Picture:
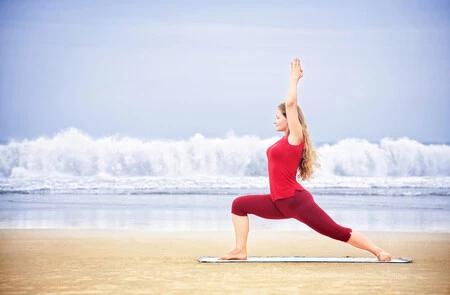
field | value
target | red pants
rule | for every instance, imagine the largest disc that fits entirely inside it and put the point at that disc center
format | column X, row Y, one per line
column 301, row 206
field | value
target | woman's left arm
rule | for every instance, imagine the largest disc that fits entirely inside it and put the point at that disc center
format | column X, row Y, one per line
column 295, row 128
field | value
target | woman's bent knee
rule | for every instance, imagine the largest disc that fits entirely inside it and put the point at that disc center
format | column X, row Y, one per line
column 343, row 234
column 237, row 207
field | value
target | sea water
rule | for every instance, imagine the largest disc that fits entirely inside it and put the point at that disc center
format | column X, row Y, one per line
column 75, row 181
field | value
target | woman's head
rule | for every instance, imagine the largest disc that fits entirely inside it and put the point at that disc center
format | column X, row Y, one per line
column 309, row 156
column 281, row 122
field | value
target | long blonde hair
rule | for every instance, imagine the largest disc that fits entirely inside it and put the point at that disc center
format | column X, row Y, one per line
column 309, row 160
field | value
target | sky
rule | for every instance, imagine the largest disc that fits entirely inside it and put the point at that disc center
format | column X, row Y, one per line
column 171, row 69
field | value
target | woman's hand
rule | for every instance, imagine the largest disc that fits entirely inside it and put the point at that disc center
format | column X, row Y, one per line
column 296, row 69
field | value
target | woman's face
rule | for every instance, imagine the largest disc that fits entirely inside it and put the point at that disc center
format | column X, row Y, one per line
column 280, row 121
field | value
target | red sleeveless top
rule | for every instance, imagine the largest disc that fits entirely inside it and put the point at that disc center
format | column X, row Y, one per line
column 283, row 159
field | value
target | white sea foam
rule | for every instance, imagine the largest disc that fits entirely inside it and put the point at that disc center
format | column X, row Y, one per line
column 76, row 154
column 401, row 157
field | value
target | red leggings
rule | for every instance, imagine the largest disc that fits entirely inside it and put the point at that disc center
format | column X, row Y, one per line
column 301, row 206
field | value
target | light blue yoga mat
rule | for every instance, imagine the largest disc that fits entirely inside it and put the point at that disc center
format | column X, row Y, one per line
column 272, row 259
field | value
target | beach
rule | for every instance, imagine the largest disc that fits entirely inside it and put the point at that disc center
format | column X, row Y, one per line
column 115, row 220
column 72, row 261
column 129, row 129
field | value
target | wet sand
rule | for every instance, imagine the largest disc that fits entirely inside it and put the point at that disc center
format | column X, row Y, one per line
column 133, row 262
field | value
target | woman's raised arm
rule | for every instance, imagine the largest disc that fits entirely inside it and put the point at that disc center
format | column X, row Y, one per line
column 295, row 136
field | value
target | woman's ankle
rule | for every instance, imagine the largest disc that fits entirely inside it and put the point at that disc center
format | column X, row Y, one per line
column 241, row 249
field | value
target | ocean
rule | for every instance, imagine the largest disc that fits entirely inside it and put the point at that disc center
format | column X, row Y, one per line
column 73, row 180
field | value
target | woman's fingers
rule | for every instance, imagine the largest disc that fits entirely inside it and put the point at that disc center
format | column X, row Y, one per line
column 296, row 68
column 296, row 64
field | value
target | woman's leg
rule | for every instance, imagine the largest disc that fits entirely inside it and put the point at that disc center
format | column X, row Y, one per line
column 303, row 208
column 260, row 205
column 360, row 241
column 241, row 228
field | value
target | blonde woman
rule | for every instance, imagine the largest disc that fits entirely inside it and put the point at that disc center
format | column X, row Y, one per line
column 291, row 155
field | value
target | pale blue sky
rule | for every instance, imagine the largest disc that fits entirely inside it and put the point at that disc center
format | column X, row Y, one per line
column 170, row 69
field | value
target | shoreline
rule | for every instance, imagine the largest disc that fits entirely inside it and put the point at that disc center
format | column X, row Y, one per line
column 121, row 232
column 212, row 212
column 71, row 261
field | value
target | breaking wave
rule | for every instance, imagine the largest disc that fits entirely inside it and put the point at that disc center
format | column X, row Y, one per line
column 74, row 153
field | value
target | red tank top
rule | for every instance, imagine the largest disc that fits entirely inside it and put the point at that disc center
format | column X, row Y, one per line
column 283, row 161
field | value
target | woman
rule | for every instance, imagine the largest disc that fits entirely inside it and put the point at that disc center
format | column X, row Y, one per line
column 288, row 199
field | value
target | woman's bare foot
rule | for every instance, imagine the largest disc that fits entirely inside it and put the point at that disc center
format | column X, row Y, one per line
column 236, row 254
column 383, row 256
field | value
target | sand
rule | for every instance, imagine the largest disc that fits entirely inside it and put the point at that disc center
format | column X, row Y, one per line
column 132, row 262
